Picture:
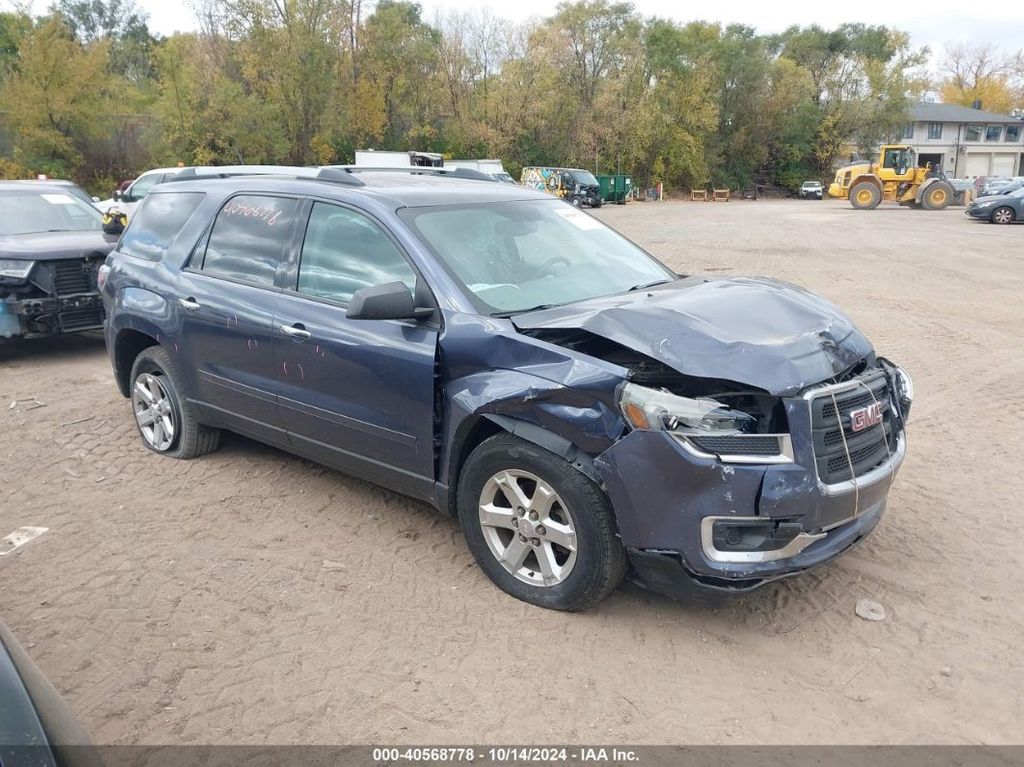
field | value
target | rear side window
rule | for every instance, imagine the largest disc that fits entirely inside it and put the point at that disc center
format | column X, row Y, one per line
column 157, row 222
column 249, row 238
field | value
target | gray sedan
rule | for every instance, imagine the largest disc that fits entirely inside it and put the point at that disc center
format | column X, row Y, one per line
column 999, row 208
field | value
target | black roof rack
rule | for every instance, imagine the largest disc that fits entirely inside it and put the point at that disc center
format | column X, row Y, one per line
column 335, row 174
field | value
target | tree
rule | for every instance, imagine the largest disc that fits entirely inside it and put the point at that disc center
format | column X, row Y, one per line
column 57, row 98
column 980, row 73
column 862, row 78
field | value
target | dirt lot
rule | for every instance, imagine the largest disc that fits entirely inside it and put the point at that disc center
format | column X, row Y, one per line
column 252, row 597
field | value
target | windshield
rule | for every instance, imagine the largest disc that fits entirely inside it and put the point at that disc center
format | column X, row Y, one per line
column 518, row 255
column 32, row 211
column 584, row 177
column 811, row 184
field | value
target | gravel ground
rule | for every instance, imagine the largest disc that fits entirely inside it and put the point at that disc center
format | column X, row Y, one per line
column 253, row 597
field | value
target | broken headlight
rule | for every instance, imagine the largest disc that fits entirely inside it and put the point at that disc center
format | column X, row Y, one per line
column 653, row 410
column 15, row 268
column 705, row 427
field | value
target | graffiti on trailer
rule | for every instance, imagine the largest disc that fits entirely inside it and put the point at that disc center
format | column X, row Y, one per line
column 544, row 180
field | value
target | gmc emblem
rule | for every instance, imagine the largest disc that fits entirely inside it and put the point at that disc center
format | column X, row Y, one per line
column 865, row 417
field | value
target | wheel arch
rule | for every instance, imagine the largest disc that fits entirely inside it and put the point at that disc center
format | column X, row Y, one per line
column 129, row 343
column 478, row 428
column 871, row 177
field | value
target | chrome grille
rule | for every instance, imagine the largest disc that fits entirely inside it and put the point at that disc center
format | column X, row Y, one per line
column 839, row 452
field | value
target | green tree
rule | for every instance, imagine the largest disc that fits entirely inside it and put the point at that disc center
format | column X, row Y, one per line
column 57, row 98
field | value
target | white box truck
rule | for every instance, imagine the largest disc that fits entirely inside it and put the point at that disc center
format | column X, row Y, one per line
column 492, row 168
column 369, row 158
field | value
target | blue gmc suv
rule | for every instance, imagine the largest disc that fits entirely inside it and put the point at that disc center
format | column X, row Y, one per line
column 584, row 411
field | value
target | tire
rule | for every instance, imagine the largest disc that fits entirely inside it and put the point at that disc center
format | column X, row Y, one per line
column 865, row 195
column 580, row 514
column 598, row 203
column 1003, row 215
column 181, row 434
column 576, row 202
column 938, row 196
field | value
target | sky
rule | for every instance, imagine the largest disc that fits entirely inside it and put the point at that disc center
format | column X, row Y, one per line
column 934, row 24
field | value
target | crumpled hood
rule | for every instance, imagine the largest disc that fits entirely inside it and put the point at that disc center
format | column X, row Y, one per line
column 755, row 331
column 53, row 246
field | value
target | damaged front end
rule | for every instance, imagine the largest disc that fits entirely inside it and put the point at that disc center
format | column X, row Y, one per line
column 754, row 456
column 51, row 296
column 731, row 520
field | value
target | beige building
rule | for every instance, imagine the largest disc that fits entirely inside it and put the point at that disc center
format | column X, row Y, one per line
column 966, row 143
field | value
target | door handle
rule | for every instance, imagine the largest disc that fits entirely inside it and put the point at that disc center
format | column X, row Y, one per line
column 189, row 304
column 296, row 331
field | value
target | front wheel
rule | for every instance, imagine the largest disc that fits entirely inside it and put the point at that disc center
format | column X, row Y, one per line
column 1004, row 215
column 865, row 195
column 542, row 531
column 576, row 201
column 938, row 196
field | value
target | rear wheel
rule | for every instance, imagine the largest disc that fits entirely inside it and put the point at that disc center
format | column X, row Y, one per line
column 937, row 196
column 166, row 422
column 865, row 195
column 1004, row 215
column 541, row 530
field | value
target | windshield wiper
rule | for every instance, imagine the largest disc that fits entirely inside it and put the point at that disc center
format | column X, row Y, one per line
column 514, row 312
column 649, row 285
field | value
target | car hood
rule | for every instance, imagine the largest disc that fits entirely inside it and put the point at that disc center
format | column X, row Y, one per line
column 994, row 197
column 53, row 246
column 755, row 331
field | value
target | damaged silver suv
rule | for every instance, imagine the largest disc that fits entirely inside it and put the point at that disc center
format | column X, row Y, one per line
column 585, row 412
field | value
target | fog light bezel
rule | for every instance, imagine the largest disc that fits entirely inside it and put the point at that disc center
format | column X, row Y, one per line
column 800, row 541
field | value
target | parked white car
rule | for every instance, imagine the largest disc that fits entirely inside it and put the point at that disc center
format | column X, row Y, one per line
column 129, row 199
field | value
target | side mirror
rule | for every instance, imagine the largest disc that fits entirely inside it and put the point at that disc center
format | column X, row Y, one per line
column 116, row 195
column 390, row 301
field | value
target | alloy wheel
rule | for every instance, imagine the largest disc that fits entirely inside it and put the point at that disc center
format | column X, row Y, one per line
column 528, row 528
column 1003, row 216
column 154, row 411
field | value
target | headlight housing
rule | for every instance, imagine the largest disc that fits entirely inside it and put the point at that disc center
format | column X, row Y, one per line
column 904, row 391
column 653, row 410
column 15, row 268
column 704, row 427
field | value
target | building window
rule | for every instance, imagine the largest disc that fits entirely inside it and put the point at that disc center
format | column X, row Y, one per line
column 908, row 131
column 993, row 132
column 972, row 133
column 934, row 130
column 1012, row 133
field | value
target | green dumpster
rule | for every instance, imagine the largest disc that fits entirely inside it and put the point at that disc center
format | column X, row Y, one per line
column 615, row 188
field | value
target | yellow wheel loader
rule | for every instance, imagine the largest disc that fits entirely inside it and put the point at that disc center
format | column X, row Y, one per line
column 895, row 177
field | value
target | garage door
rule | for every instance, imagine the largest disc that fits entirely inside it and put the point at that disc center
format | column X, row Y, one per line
column 1004, row 164
column 977, row 165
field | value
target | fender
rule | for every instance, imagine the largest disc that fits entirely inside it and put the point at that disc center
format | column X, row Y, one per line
column 554, row 443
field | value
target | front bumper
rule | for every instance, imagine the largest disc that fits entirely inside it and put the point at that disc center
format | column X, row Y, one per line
column 664, row 496
column 981, row 215
column 50, row 315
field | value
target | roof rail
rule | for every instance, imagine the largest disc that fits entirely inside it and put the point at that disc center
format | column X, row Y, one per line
column 337, row 174
column 230, row 171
